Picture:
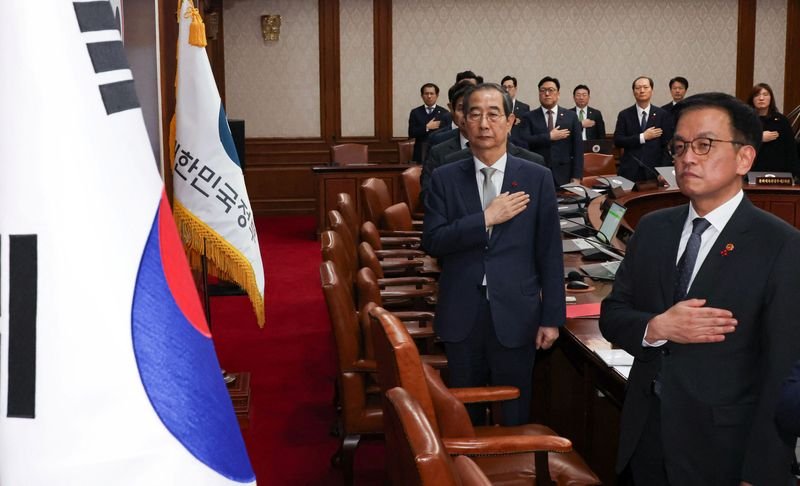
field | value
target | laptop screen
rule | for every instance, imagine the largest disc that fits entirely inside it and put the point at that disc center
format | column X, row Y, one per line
column 612, row 221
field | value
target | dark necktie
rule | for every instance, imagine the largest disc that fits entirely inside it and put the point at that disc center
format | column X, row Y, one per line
column 689, row 258
column 549, row 120
column 644, row 121
column 428, row 109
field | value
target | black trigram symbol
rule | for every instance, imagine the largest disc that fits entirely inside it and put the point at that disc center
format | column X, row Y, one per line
column 107, row 56
column 22, row 280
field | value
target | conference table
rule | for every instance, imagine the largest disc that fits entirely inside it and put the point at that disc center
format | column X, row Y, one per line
column 575, row 391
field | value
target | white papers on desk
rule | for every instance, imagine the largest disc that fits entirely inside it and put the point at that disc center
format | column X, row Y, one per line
column 615, row 357
column 623, row 370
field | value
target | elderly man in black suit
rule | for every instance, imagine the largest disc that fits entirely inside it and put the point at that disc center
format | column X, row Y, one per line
column 705, row 301
column 425, row 119
column 554, row 133
column 594, row 128
column 455, row 146
column 643, row 132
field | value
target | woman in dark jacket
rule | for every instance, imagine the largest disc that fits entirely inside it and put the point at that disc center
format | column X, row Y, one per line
column 778, row 151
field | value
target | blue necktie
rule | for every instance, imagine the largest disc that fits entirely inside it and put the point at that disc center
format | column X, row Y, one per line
column 644, row 121
column 689, row 258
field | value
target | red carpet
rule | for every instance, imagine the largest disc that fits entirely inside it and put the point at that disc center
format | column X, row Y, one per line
column 292, row 364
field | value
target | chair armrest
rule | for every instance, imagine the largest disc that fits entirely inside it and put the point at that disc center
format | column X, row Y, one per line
column 407, row 293
column 506, row 444
column 418, row 216
column 363, row 366
column 400, row 241
column 406, row 234
column 485, row 394
column 418, row 282
column 398, row 263
column 399, row 253
column 436, row 361
column 422, row 316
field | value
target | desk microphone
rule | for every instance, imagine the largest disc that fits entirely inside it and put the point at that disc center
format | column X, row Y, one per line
column 645, row 166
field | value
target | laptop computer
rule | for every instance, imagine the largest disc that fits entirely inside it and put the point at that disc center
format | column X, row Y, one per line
column 668, row 173
column 608, row 229
column 752, row 176
column 598, row 146
column 602, row 270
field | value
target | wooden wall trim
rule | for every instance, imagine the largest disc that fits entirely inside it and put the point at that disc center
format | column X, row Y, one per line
column 745, row 48
column 791, row 80
column 382, row 25
column 330, row 80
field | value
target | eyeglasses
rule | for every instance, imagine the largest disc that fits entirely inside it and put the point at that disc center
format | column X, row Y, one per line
column 492, row 116
column 547, row 90
column 700, row 146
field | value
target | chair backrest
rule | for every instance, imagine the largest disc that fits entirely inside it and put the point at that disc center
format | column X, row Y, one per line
column 405, row 150
column 349, row 340
column 419, row 455
column 411, row 186
column 598, row 164
column 397, row 217
column 347, row 208
column 334, row 250
column 368, row 259
column 377, row 198
column 398, row 360
column 336, row 223
column 368, row 289
column 369, row 233
column 349, row 153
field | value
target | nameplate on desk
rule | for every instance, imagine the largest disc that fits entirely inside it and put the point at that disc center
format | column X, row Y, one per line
column 773, row 181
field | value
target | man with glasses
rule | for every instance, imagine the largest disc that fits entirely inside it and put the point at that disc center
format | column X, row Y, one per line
column 643, row 131
column 554, row 133
column 705, row 301
column 492, row 222
column 509, row 83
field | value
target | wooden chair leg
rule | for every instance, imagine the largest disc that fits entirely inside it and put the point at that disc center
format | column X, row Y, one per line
column 344, row 457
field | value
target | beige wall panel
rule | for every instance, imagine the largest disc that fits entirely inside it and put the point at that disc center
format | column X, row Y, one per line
column 602, row 44
column 273, row 86
column 769, row 65
column 357, row 67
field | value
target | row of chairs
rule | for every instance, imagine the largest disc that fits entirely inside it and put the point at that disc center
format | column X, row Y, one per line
column 356, row 153
column 387, row 387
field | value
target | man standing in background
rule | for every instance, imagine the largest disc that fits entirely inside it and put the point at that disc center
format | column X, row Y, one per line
column 425, row 119
column 594, row 128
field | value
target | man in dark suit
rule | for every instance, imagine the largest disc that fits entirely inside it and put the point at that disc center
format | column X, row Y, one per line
column 425, row 119
column 554, row 133
column 677, row 89
column 788, row 415
column 705, row 301
column 594, row 128
column 492, row 222
column 450, row 141
column 643, row 132
column 509, row 83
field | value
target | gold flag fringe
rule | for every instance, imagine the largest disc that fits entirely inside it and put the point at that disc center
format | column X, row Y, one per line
column 224, row 260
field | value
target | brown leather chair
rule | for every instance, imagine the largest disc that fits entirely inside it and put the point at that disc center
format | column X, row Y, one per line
column 411, row 186
column 421, row 457
column 598, row 164
column 361, row 412
column 335, row 250
column 397, row 262
column 511, row 455
column 397, row 217
column 349, row 154
column 405, row 150
column 347, row 208
column 376, row 197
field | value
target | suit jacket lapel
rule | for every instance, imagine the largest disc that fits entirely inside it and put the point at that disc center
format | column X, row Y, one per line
column 669, row 248
column 469, row 185
column 735, row 232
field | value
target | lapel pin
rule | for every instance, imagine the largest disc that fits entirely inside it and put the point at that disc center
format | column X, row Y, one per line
column 728, row 248
column 514, row 184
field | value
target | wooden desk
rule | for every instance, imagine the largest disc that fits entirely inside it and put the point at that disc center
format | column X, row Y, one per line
column 782, row 201
column 331, row 180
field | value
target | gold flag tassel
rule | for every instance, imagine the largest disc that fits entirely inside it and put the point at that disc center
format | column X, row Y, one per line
column 197, row 30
